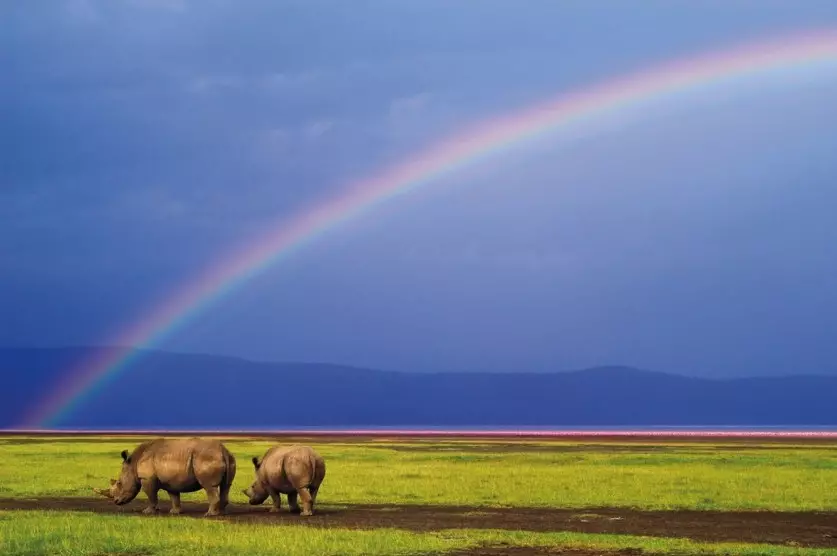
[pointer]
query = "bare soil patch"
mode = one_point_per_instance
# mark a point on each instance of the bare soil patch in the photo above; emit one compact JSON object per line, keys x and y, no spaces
{"x":805,"y":529}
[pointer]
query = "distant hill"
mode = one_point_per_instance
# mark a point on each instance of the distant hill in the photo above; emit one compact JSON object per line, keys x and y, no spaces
{"x":200,"y":391}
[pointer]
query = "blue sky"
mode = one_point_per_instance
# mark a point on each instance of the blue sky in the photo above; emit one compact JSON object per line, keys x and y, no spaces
{"x":144,"y":140}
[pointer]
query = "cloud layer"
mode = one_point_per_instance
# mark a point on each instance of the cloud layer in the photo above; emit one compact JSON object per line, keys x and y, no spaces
{"x":146,"y":140}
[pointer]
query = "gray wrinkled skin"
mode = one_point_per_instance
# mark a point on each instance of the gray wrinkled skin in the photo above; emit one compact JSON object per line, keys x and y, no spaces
{"x":176,"y":466}
{"x":295,"y":471}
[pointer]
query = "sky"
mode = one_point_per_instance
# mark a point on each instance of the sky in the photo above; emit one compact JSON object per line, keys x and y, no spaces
{"x":143,"y":141}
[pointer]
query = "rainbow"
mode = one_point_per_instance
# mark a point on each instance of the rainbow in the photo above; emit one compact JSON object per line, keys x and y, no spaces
{"x":478,"y":143}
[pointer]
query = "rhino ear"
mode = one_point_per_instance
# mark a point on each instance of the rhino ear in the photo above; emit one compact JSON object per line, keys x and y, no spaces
{"x":256,"y":462}
{"x":125,"y":455}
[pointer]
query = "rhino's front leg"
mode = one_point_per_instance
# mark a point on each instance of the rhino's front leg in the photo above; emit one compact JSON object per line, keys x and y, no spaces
{"x":175,"y":503}
{"x":275,"y":498}
{"x":150,"y":487}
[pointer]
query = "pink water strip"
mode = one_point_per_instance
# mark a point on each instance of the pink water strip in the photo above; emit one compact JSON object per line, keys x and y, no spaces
{"x":430,"y":433}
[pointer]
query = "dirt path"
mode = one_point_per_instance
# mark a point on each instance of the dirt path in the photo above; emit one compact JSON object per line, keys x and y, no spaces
{"x":806,"y":529}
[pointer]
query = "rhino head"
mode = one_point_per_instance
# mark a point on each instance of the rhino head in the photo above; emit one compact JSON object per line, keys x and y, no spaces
{"x":126,"y":487}
{"x":256,"y":493}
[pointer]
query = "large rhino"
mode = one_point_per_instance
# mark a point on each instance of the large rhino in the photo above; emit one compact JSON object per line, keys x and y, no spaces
{"x":176,"y":466}
{"x":293,"y":471}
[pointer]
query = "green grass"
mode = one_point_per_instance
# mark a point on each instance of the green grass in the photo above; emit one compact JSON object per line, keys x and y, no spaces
{"x":57,"y":533}
{"x":678,"y":476}
{"x":560,"y":474}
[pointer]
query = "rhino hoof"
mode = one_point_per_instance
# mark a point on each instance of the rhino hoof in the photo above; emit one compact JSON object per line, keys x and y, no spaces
{"x":212,"y":513}
{"x":150,"y":511}
{"x":306,"y":514}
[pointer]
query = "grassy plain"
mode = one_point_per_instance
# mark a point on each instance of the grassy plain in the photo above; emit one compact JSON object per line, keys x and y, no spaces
{"x":718,"y":476}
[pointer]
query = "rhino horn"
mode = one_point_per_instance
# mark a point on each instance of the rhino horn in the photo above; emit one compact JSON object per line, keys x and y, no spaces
{"x":101,"y":492}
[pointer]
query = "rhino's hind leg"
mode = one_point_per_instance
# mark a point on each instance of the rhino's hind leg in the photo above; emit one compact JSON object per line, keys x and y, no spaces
{"x":214,"y":497}
{"x":313,"y":490}
{"x":175,"y":503}
{"x":150,"y":487}
{"x":292,"y":502}
{"x":307,"y":504}
{"x":224,"y":497}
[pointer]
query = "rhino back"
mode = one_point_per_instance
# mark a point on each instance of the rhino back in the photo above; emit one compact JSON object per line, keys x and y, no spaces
{"x":270,"y":470}
{"x":212,"y":463}
{"x":184,"y":465}
{"x":287,"y":468}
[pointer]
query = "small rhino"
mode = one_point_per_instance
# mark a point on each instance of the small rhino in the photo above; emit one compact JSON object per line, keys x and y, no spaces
{"x":176,"y":466}
{"x":294,"y":471}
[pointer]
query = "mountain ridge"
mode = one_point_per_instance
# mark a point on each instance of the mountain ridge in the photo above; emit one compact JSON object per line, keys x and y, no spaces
{"x":163,"y":388}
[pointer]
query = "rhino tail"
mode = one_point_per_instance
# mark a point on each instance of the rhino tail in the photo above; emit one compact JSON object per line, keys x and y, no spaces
{"x":190,"y":464}
{"x":312,"y":462}
{"x":229,"y":468}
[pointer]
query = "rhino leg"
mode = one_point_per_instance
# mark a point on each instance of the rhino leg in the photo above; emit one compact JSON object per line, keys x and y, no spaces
{"x":175,"y":503}
{"x":214,"y":496}
{"x":224,"y":497}
{"x":292,"y":502}
{"x":307,"y":505}
{"x":149,"y":487}
{"x":276,"y":498}
{"x":313,"y":490}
